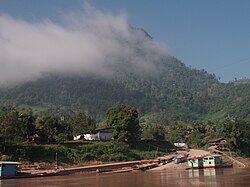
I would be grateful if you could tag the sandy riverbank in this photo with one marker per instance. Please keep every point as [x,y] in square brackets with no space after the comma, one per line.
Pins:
[236,161]
[190,153]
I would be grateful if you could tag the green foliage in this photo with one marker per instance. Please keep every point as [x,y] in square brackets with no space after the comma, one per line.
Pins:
[124,122]
[9,126]
[16,125]
[176,133]
[151,146]
[159,118]
[232,100]
[195,134]
[81,123]
[53,127]
[174,92]
[105,151]
[153,132]
[237,132]
[87,151]
[171,86]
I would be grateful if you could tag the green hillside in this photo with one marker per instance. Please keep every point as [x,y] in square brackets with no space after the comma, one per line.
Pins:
[181,93]
[177,90]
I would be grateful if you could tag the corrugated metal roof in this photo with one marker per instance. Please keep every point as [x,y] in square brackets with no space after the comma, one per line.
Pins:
[214,155]
[10,163]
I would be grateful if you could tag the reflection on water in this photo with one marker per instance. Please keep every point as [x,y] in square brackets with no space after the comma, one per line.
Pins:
[209,172]
[206,177]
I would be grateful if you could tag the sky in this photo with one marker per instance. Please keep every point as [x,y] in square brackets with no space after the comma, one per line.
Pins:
[212,35]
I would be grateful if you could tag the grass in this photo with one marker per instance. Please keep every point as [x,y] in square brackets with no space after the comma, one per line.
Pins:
[36,109]
[79,152]
[215,116]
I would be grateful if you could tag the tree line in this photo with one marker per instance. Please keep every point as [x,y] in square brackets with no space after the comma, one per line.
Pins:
[25,125]
[22,125]
[197,133]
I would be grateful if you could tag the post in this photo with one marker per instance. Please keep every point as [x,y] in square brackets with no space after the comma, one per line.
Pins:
[56,161]
[156,152]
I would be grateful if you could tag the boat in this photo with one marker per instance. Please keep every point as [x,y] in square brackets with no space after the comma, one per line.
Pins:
[207,161]
[179,159]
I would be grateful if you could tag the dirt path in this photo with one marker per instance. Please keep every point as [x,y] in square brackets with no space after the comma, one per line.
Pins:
[234,161]
[197,152]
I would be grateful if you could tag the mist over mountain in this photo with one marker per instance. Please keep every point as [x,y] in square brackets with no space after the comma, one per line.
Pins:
[95,60]
[172,91]
[176,90]
[90,41]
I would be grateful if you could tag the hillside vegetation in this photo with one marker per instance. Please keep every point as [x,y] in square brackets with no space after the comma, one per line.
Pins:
[79,152]
[175,91]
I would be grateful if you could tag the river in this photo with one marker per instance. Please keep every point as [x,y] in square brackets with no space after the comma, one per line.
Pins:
[208,177]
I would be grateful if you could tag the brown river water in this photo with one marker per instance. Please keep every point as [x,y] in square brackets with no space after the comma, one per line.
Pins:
[207,177]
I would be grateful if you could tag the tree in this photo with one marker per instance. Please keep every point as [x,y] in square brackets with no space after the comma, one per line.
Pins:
[124,121]
[237,132]
[16,125]
[53,127]
[177,132]
[196,132]
[9,126]
[27,123]
[153,132]
[80,123]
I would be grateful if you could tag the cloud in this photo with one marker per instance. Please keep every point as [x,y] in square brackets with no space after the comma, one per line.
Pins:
[89,41]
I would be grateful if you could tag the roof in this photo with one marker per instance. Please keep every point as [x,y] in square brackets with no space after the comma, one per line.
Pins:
[213,155]
[180,145]
[10,163]
[212,147]
[216,140]
[103,130]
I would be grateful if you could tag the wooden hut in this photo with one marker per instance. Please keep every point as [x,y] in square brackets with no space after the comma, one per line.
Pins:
[219,144]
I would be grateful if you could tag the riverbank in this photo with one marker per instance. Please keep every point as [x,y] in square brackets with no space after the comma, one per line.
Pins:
[75,152]
[245,161]
[161,163]
[240,162]
[181,166]
[99,167]
[109,168]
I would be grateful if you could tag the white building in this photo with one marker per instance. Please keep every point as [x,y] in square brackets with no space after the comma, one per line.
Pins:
[181,145]
[77,137]
[99,134]
[104,134]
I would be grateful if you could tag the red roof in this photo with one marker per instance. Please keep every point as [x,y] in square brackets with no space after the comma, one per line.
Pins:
[216,140]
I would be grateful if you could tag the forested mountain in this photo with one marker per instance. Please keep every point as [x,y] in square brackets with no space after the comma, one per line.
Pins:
[166,89]
[176,90]
[232,99]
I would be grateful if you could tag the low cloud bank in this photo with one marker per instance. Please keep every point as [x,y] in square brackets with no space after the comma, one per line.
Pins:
[89,41]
